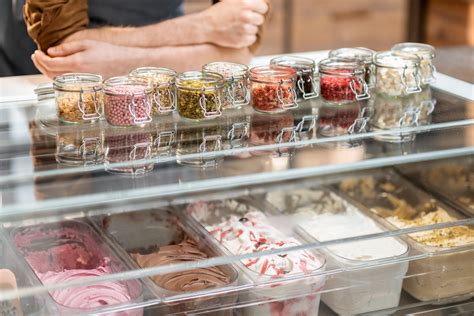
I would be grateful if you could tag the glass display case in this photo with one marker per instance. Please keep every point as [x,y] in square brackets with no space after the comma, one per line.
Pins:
[365,208]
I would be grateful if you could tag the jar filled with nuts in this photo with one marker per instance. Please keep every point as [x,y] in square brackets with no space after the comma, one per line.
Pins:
[361,54]
[426,53]
[127,101]
[236,92]
[397,74]
[342,81]
[306,85]
[79,97]
[164,88]
[273,88]
[199,95]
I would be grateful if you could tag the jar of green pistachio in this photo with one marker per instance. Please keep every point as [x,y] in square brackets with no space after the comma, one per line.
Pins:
[199,94]
[164,88]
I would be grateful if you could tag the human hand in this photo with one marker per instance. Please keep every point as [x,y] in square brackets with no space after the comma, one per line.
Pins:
[84,56]
[234,23]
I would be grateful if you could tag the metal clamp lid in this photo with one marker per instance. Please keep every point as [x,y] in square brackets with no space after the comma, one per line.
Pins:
[132,109]
[82,107]
[203,104]
[238,85]
[293,103]
[90,156]
[364,91]
[416,77]
[314,84]
[171,91]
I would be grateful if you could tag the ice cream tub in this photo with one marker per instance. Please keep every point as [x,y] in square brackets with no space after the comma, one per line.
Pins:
[372,270]
[452,180]
[13,275]
[156,237]
[444,267]
[69,251]
[283,284]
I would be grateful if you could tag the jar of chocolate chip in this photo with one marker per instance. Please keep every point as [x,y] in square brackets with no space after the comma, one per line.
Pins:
[397,74]
[361,54]
[164,88]
[200,94]
[273,89]
[426,53]
[127,101]
[342,81]
[306,83]
[79,97]
[236,90]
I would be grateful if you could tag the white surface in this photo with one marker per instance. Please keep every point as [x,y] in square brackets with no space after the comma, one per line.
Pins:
[20,88]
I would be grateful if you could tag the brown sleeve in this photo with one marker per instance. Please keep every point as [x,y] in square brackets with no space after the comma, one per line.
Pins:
[49,22]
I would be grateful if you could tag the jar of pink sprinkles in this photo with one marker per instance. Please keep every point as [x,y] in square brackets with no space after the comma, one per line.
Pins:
[127,101]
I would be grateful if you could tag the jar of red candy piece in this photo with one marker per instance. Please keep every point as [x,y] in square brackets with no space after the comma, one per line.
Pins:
[306,85]
[361,54]
[127,101]
[237,81]
[342,81]
[273,88]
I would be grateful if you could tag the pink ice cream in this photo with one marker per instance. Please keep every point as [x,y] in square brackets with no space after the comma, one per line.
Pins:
[70,251]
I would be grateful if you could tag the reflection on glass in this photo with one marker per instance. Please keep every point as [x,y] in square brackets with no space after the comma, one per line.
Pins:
[79,146]
[391,113]
[270,130]
[128,152]
[341,120]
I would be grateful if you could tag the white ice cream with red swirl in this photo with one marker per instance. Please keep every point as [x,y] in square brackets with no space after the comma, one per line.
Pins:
[250,233]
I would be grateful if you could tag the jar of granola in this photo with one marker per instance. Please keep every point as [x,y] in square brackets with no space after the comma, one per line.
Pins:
[273,88]
[236,91]
[79,97]
[426,53]
[342,81]
[306,84]
[200,94]
[164,88]
[397,74]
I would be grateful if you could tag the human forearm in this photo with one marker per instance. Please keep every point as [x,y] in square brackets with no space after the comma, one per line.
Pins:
[185,30]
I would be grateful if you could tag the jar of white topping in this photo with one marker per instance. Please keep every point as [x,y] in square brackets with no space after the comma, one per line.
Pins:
[79,97]
[164,88]
[127,101]
[236,91]
[306,83]
[397,74]
[361,54]
[426,53]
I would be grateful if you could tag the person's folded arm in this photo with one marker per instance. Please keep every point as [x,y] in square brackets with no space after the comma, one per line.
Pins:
[111,60]
[230,23]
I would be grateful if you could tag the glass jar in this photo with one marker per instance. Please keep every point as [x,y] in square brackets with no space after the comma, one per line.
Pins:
[236,92]
[305,74]
[426,53]
[273,88]
[200,94]
[79,97]
[361,54]
[164,88]
[127,101]
[342,81]
[397,74]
